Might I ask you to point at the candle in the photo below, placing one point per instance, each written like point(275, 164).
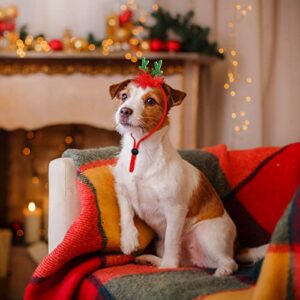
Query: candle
point(32, 228)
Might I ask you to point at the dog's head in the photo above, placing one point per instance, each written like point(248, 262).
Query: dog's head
point(141, 108)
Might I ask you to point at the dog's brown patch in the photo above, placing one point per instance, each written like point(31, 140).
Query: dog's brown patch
point(115, 89)
point(152, 114)
point(205, 202)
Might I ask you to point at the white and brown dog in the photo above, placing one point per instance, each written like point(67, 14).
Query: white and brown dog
point(167, 192)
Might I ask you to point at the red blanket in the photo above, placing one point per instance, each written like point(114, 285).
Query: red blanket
point(255, 186)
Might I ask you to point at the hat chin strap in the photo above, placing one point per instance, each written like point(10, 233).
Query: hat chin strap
point(136, 145)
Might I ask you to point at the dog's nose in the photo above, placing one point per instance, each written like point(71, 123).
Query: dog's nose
point(126, 111)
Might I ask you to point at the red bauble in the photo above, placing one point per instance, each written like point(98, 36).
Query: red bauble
point(125, 17)
point(173, 45)
point(157, 45)
point(10, 26)
point(56, 45)
point(2, 26)
point(7, 26)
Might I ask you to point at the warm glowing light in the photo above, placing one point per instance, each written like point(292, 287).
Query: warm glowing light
point(233, 52)
point(31, 206)
point(221, 50)
point(244, 12)
point(29, 40)
point(155, 6)
point(235, 63)
point(232, 93)
point(247, 122)
point(249, 7)
point(112, 22)
point(248, 98)
point(134, 59)
point(237, 128)
point(226, 86)
point(19, 43)
point(35, 180)
point(249, 80)
point(142, 19)
point(68, 139)
point(133, 41)
point(245, 127)
point(238, 7)
point(26, 151)
point(139, 54)
point(92, 47)
point(233, 115)
point(242, 114)
point(128, 55)
point(231, 77)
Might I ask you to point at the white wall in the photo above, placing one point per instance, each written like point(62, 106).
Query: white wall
point(268, 36)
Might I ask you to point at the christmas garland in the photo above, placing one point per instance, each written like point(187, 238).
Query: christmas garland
point(190, 36)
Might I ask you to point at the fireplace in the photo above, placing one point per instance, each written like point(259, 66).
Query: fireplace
point(25, 156)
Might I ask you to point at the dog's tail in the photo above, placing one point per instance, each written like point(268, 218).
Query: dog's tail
point(251, 255)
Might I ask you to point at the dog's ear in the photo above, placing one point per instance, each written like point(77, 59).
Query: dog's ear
point(115, 88)
point(175, 97)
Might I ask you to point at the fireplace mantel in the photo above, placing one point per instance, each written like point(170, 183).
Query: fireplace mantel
point(44, 89)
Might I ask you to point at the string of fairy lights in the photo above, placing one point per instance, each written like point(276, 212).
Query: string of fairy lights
point(235, 78)
point(71, 140)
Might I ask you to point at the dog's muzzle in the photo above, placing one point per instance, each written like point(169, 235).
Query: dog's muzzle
point(125, 113)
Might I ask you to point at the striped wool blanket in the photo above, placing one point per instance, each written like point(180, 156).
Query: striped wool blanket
point(260, 190)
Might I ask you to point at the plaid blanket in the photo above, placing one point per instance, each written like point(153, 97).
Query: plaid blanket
point(258, 188)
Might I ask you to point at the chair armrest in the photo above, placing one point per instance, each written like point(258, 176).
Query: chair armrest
point(64, 202)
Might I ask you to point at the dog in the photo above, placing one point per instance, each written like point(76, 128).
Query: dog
point(167, 192)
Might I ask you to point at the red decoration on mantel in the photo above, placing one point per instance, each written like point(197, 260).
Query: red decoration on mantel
point(125, 17)
point(56, 45)
point(157, 45)
point(173, 46)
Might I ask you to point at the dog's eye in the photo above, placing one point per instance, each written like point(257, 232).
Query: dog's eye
point(124, 96)
point(150, 101)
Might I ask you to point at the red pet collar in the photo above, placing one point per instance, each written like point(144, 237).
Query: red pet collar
point(144, 80)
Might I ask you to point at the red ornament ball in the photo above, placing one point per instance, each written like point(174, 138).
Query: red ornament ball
point(173, 45)
point(56, 45)
point(157, 45)
point(125, 17)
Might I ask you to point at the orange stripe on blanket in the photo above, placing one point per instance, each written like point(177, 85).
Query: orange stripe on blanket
point(245, 294)
point(273, 279)
point(97, 163)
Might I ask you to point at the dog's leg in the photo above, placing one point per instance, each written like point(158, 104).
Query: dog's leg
point(160, 247)
point(175, 218)
point(129, 233)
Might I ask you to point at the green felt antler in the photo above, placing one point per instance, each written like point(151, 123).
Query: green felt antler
point(144, 64)
point(157, 71)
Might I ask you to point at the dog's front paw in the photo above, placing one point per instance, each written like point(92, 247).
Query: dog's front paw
point(129, 240)
point(169, 263)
